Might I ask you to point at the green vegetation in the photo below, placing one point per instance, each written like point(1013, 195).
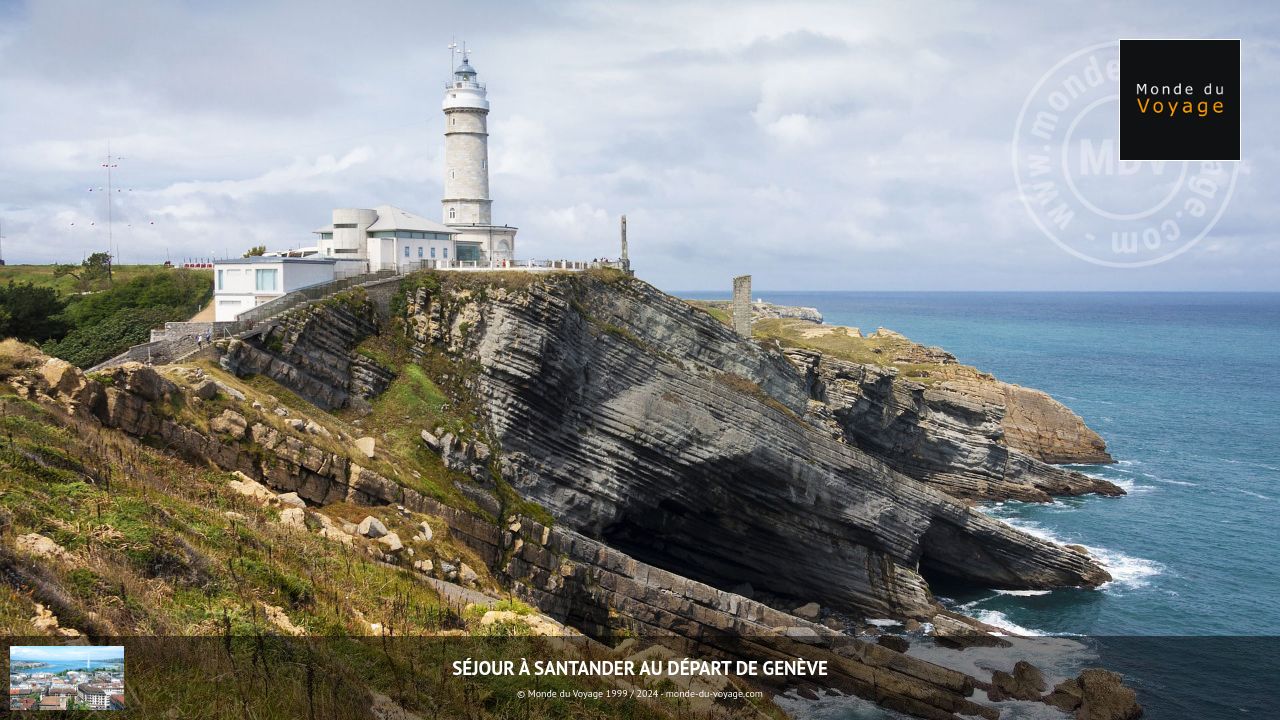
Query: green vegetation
point(65, 285)
point(230, 613)
point(31, 313)
point(107, 323)
point(886, 349)
point(80, 314)
point(718, 309)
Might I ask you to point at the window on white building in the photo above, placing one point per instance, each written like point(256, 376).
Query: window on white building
point(433, 253)
point(406, 251)
point(219, 279)
point(265, 280)
point(419, 251)
point(484, 163)
point(446, 253)
point(452, 175)
point(453, 213)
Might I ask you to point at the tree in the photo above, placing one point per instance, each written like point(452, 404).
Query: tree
point(94, 269)
point(30, 313)
point(256, 251)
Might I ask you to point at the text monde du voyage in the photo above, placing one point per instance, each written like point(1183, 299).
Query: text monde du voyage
point(1180, 99)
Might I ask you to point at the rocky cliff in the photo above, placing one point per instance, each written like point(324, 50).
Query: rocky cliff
point(1023, 419)
point(950, 434)
point(647, 424)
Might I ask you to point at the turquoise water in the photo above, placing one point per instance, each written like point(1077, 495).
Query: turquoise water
point(1185, 388)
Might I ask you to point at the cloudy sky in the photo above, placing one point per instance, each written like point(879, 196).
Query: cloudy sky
point(815, 145)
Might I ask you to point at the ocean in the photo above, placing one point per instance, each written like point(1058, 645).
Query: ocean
point(1185, 389)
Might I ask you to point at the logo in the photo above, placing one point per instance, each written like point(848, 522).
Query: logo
point(1180, 99)
point(1083, 196)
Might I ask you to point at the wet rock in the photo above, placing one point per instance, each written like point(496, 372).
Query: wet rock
point(894, 643)
point(1026, 682)
point(1096, 694)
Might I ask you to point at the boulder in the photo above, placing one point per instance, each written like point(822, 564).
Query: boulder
point(371, 527)
point(431, 440)
point(466, 575)
point(230, 423)
point(250, 488)
point(1066, 696)
point(424, 531)
point(291, 499)
point(392, 542)
point(293, 517)
point(423, 566)
point(228, 390)
point(809, 611)
point(1104, 697)
point(206, 390)
point(1026, 682)
point(41, 546)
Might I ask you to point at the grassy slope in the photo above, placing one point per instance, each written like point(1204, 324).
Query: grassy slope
point(152, 551)
point(42, 276)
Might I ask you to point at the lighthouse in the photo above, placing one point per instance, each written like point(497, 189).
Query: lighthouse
point(466, 205)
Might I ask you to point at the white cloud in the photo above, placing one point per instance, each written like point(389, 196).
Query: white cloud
point(753, 137)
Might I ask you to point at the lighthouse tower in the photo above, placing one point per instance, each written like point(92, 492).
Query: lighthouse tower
point(466, 204)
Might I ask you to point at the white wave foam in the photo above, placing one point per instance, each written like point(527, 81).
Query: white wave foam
point(1024, 593)
point(1260, 496)
point(1126, 571)
point(1002, 621)
point(884, 623)
point(1177, 482)
point(1126, 484)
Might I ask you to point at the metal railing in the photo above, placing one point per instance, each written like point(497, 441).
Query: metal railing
point(306, 294)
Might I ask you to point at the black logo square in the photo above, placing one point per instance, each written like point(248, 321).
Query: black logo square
point(1179, 99)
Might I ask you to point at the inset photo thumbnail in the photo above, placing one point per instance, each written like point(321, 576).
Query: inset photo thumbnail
point(66, 677)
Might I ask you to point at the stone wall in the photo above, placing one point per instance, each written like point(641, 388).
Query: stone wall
point(740, 307)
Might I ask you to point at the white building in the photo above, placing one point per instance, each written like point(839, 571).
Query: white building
point(94, 696)
point(388, 237)
point(245, 283)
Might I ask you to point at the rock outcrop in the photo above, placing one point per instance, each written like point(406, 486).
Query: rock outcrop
point(648, 425)
point(951, 433)
point(310, 350)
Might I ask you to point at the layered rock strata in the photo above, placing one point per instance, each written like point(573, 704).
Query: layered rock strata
point(951, 434)
point(310, 350)
point(639, 421)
